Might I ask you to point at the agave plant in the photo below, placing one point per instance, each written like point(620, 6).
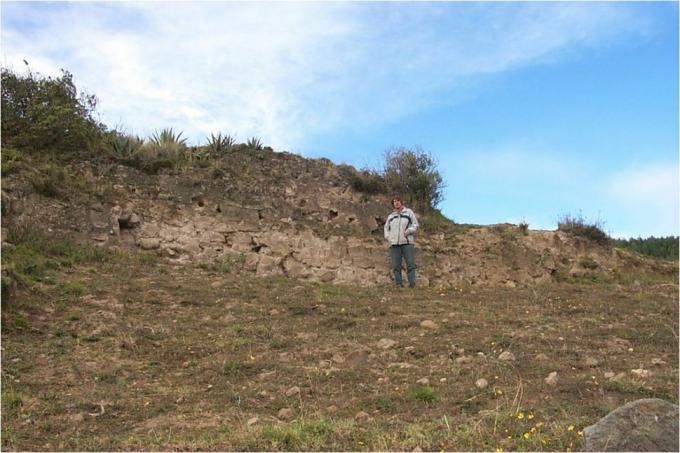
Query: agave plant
point(125, 147)
point(220, 144)
point(254, 143)
point(168, 145)
point(167, 137)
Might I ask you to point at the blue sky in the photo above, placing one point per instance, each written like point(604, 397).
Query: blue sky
point(533, 110)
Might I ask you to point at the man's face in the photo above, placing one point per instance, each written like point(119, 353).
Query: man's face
point(396, 204)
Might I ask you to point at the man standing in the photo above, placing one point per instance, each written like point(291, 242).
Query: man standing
point(400, 228)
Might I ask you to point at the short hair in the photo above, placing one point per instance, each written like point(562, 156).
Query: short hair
point(396, 199)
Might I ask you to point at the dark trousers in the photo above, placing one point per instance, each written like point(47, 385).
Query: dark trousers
point(407, 252)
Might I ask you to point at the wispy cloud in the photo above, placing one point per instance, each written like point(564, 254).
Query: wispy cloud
point(284, 70)
point(649, 194)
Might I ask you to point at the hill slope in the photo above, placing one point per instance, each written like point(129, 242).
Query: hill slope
point(280, 214)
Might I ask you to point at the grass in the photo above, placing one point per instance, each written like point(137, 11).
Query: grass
point(178, 363)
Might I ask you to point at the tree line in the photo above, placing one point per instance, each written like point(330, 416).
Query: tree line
point(663, 247)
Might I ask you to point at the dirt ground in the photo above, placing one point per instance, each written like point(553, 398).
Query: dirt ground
point(135, 353)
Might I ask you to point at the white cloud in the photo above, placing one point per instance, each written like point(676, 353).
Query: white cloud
point(283, 71)
point(649, 194)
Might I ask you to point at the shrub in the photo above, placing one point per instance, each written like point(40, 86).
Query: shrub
point(45, 114)
point(49, 181)
point(523, 227)
point(11, 158)
point(412, 173)
point(578, 226)
point(587, 262)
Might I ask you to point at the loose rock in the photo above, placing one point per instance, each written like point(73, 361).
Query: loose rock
point(641, 373)
point(295, 390)
point(551, 380)
point(423, 381)
point(506, 356)
point(252, 421)
point(592, 362)
point(429, 324)
point(286, 413)
point(386, 343)
point(481, 383)
point(642, 425)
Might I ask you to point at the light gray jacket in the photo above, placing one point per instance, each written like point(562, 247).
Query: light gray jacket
point(401, 227)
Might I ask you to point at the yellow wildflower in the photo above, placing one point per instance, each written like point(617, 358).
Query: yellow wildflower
point(570, 428)
point(520, 416)
point(530, 416)
point(580, 433)
point(499, 449)
point(533, 429)
point(526, 435)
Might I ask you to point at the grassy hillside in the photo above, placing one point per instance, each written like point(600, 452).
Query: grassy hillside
point(120, 351)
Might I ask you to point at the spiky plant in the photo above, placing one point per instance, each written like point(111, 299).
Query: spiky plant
point(168, 145)
point(125, 147)
point(219, 144)
point(254, 143)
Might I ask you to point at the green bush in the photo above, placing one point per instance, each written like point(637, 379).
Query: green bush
point(578, 226)
point(45, 114)
point(11, 158)
point(412, 173)
point(49, 180)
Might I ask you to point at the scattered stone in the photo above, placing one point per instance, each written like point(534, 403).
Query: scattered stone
point(325, 364)
point(429, 324)
point(551, 380)
point(356, 358)
point(481, 383)
point(459, 351)
point(620, 376)
point(417, 450)
point(266, 375)
point(423, 381)
point(149, 243)
point(609, 374)
point(332, 408)
point(642, 425)
point(295, 390)
point(592, 362)
point(641, 373)
point(273, 312)
point(361, 416)
point(506, 356)
point(442, 380)
point(463, 360)
point(216, 284)
point(338, 358)
point(542, 357)
point(658, 362)
point(252, 421)
point(286, 413)
point(186, 364)
point(180, 400)
point(619, 344)
point(386, 343)
point(510, 284)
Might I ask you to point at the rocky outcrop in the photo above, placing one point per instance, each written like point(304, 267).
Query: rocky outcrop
point(642, 425)
point(279, 214)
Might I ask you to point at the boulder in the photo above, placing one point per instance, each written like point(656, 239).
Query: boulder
point(642, 425)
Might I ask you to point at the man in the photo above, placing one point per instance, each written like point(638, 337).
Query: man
point(400, 228)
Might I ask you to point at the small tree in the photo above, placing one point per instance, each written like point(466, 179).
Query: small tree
point(46, 114)
point(413, 173)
